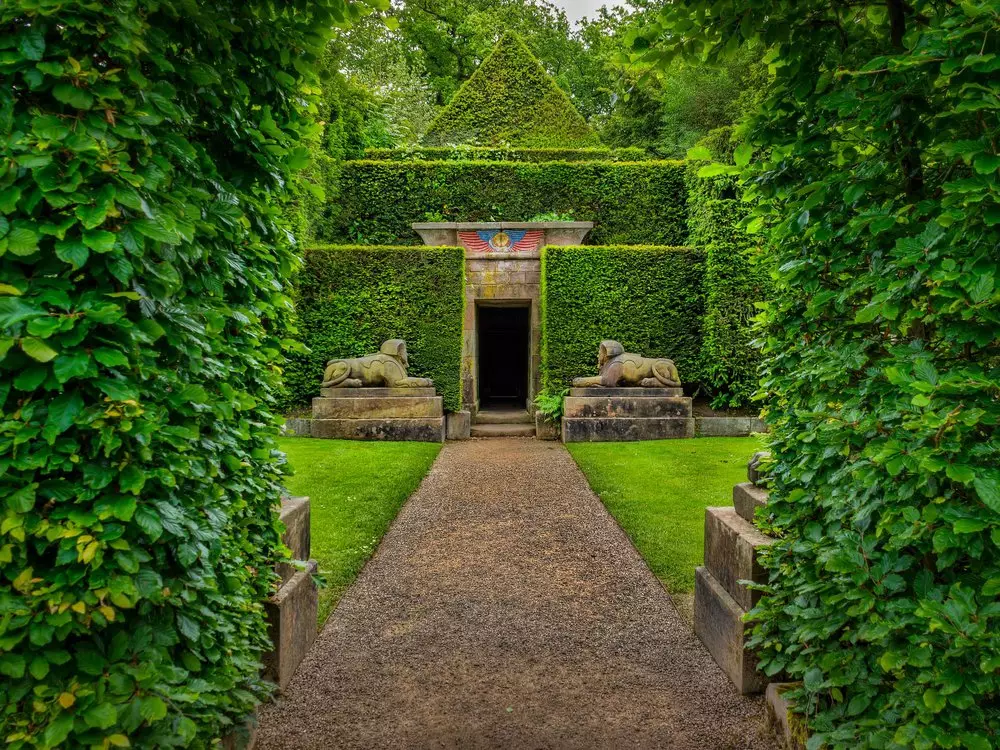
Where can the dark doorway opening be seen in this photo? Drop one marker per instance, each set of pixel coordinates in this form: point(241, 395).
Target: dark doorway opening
point(504, 340)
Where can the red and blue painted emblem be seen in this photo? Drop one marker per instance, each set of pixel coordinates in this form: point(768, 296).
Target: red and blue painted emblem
point(501, 240)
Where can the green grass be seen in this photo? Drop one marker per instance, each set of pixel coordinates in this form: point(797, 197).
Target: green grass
point(357, 488)
point(658, 492)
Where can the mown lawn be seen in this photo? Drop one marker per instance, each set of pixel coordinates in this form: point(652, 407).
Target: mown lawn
point(357, 488)
point(658, 492)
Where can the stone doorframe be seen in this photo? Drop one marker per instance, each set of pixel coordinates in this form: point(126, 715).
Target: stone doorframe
point(507, 281)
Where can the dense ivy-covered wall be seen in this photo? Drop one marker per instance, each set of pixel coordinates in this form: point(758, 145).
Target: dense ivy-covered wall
point(651, 299)
point(510, 100)
point(351, 299)
point(145, 147)
point(503, 153)
point(629, 202)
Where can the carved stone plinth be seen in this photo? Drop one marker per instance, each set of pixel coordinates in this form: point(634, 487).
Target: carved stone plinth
point(626, 414)
point(379, 414)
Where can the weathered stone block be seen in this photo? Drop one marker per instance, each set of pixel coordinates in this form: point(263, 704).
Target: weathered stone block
point(378, 407)
point(374, 392)
point(424, 429)
point(731, 546)
point(791, 730)
point(637, 392)
point(457, 425)
point(623, 429)
point(747, 498)
point(729, 426)
point(291, 622)
point(298, 426)
point(294, 515)
point(627, 406)
point(545, 430)
point(717, 621)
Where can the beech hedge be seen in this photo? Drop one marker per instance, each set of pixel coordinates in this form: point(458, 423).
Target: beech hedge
point(507, 153)
point(349, 300)
point(146, 146)
point(629, 202)
point(649, 298)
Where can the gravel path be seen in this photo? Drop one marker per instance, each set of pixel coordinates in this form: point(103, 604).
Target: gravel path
point(506, 609)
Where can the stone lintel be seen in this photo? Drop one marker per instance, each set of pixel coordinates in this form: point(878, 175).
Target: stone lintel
point(747, 498)
point(377, 407)
point(424, 429)
point(291, 621)
point(731, 545)
point(628, 406)
point(625, 429)
point(718, 622)
point(375, 392)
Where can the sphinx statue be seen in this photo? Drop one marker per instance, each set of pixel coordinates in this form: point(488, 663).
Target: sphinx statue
point(387, 369)
point(619, 368)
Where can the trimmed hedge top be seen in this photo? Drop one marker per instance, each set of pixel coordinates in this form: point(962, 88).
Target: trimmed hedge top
point(511, 100)
point(502, 153)
point(349, 299)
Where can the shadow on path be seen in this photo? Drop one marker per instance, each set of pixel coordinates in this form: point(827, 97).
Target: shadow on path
point(505, 608)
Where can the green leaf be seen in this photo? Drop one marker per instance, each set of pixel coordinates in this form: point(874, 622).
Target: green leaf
point(70, 365)
point(132, 479)
point(987, 485)
point(73, 252)
point(742, 154)
point(23, 500)
point(22, 241)
point(101, 716)
point(99, 240)
point(37, 349)
point(32, 43)
point(152, 709)
point(110, 357)
point(69, 94)
point(699, 153)
point(714, 170)
point(968, 525)
point(934, 700)
point(149, 521)
point(156, 231)
point(12, 665)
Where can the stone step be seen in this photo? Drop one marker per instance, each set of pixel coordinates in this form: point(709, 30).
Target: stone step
point(503, 430)
point(731, 547)
point(503, 416)
point(619, 429)
point(747, 498)
point(627, 406)
point(718, 623)
point(374, 392)
point(423, 429)
point(638, 392)
point(378, 407)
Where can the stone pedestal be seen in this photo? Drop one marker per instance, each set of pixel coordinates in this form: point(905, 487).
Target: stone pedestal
point(545, 430)
point(378, 414)
point(732, 544)
point(458, 425)
point(623, 414)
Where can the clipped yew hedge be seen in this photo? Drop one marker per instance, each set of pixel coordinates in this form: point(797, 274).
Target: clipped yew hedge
point(507, 153)
point(651, 299)
point(629, 202)
point(351, 299)
point(145, 149)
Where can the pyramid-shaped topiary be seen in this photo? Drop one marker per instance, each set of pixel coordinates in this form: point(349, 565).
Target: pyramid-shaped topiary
point(510, 100)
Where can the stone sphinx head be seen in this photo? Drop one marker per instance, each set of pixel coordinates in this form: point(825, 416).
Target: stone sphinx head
point(608, 350)
point(395, 348)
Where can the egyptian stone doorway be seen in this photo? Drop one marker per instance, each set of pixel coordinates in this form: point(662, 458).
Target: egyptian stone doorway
point(503, 333)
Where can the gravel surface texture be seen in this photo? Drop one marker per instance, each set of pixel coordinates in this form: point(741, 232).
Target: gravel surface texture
point(506, 609)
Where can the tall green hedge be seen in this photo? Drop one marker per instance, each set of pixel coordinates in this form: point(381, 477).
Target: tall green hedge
point(510, 100)
point(507, 153)
point(629, 202)
point(648, 298)
point(351, 299)
point(145, 146)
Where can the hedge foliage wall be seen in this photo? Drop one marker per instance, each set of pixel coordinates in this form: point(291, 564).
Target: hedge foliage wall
point(629, 203)
point(648, 298)
point(877, 188)
point(510, 100)
point(502, 153)
point(145, 149)
point(351, 299)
